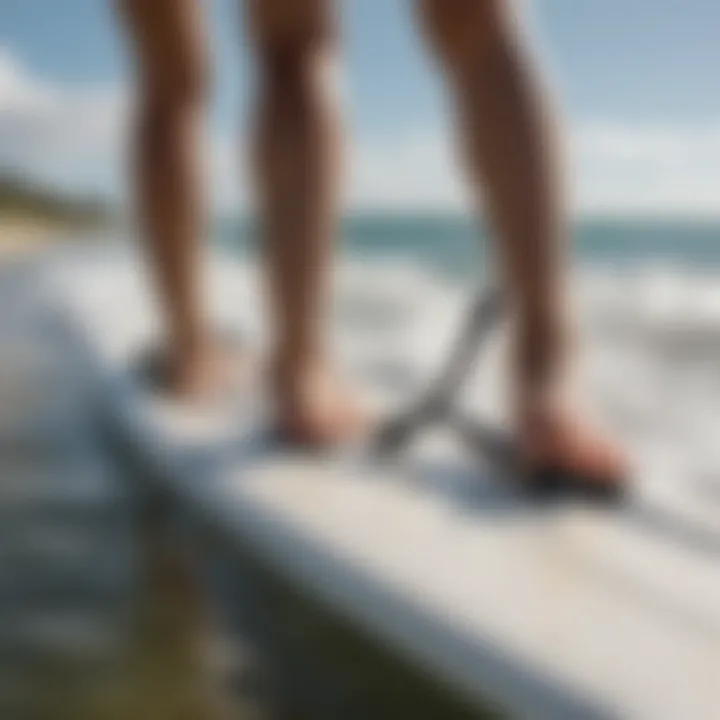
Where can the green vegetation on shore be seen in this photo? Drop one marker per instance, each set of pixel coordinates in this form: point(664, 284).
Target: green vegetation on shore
point(28, 201)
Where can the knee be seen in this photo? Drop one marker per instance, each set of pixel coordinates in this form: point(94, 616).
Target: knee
point(463, 31)
point(293, 40)
point(168, 102)
point(177, 83)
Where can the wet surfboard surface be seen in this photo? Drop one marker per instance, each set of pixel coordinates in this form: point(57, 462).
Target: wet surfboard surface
point(559, 611)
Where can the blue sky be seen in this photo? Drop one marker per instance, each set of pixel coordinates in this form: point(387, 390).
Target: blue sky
point(637, 80)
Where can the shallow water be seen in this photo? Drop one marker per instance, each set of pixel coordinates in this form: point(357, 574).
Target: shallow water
point(85, 632)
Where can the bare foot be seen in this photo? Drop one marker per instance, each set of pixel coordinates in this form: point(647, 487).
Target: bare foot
point(205, 374)
point(562, 446)
point(315, 408)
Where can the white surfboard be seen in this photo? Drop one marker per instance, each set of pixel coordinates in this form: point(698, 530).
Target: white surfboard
point(566, 612)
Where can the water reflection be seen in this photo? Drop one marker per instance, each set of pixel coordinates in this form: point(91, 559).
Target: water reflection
point(95, 621)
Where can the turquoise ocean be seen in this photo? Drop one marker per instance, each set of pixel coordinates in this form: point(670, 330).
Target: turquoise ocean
point(455, 247)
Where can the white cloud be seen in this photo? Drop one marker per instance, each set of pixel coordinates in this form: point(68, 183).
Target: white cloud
point(648, 168)
point(416, 170)
point(60, 134)
point(74, 136)
point(615, 168)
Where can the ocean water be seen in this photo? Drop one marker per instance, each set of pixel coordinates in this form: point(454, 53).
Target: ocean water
point(454, 246)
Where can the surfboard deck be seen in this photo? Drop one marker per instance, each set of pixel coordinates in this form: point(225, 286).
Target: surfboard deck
point(566, 611)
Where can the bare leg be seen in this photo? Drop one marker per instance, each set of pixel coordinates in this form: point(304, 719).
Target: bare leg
point(298, 168)
point(169, 42)
point(509, 137)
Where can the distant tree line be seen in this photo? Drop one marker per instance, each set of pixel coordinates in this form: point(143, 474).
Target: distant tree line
point(21, 196)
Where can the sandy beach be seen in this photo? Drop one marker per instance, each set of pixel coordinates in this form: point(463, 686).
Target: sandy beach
point(20, 235)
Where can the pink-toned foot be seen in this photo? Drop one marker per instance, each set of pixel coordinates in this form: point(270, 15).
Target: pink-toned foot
point(204, 374)
point(566, 441)
point(316, 409)
point(559, 438)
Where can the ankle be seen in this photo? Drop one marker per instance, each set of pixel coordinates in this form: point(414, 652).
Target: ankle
point(545, 360)
point(543, 346)
point(188, 350)
point(291, 371)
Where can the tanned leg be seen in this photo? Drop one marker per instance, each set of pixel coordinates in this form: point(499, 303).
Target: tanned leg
point(298, 173)
point(169, 43)
point(509, 139)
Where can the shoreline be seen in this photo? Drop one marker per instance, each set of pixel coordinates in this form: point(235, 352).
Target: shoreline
point(23, 235)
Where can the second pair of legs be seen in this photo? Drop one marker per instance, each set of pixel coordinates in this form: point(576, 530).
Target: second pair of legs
point(507, 136)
